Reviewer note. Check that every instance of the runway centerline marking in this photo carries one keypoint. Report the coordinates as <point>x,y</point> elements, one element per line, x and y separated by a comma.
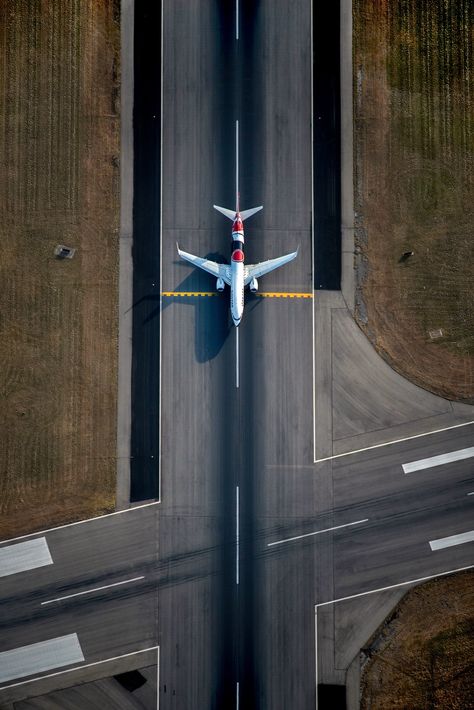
<point>439,460</point>
<point>443,542</point>
<point>237,357</point>
<point>471,494</point>
<point>237,536</point>
<point>91,591</point>
<point>318,532</point>
<point>395,441</point>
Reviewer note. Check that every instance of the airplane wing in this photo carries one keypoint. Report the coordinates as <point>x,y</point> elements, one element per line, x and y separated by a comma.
<point>257,270</point>
<point>212,267</point>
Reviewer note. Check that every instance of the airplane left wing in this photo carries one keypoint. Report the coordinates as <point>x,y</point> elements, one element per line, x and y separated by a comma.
<point>257,270</point>
<point>212,267</point>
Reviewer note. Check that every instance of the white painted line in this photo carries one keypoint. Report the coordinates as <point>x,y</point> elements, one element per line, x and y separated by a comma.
<point>316,672</point>
<point>158,678</point>
<point>38,657</point>
<point>161,254</point>
<point>24,556</point>
<point>312,239</point>
<point>237,19</point>
<point>471,494</point>
<point>237,164</point>
<point>237,696</point>
<point>395,586</point>
<point>80,522</point>
<point>78,668</point>
<point>237,368</point>
<point>91,591</point>
<point>452,540</point>
<point>318,532</point>
<point>395,441</point>
<point>433,461</point>
<point>237,536</point>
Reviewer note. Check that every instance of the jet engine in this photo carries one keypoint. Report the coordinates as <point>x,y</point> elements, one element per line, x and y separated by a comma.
<point>220,284</point>
<point>253,285</point>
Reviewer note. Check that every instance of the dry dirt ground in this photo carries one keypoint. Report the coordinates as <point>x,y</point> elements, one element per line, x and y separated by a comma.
<point>423,656</point>
<point>414,179</point>
<point>59,184</point>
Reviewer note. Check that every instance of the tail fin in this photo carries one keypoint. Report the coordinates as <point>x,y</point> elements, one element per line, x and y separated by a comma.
<point>231,214</point>
<point>248,213</point>
<point>227,213</point>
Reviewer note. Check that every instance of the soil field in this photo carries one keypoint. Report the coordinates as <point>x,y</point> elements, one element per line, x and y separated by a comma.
<point>423,656</point>
<point>414,180</point>
<point>59,177</point>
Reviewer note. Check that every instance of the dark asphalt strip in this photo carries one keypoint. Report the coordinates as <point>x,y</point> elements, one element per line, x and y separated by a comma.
<point>146,252</point>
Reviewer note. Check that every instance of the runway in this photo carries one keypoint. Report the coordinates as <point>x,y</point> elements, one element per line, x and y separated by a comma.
<point>250,533</point>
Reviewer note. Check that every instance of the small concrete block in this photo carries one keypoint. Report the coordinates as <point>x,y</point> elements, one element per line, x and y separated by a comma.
<point>63,252</point>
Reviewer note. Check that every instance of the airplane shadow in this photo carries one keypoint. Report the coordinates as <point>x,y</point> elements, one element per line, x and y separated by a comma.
<point>213,323</point>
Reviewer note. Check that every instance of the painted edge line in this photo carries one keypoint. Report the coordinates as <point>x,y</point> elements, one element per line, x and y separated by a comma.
<point>158,678</point>
<point>395,441</point>
<point>80,522</point>
<point>78,668</point>
<point>318,532</point>
<point>160,360</point>
<point>91,591</point>
<point>395,586</point>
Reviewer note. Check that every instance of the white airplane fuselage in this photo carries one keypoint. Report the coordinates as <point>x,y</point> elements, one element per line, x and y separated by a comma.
<point>237,274</point>
<point>237,271</point>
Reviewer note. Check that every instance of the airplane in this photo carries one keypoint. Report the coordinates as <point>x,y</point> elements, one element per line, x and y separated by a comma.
<point>237,274</point>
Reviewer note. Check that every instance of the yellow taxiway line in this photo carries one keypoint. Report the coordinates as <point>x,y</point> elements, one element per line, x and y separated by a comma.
<point>197,294</point>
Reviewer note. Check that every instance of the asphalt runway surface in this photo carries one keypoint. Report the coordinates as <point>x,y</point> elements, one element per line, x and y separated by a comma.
<point>250,449</point>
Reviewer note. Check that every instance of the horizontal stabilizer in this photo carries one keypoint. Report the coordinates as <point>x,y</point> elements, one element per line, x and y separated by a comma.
<point>227,213</point>
<point>248,213</point>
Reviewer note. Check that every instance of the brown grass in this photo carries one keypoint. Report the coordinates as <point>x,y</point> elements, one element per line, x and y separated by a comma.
<point>59,177</point>
<point>423,655</point>
<point>414,157</point>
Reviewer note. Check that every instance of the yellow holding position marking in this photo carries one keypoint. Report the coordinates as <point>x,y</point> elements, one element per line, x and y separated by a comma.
<point>193,294</point>
<point>189,294</point>
<point>283,294</point>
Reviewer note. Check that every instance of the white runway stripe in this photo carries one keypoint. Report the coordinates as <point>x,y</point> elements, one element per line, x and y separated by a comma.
<point>438,460</point>
<point>91,591</point>
<point>318,532</point>
<point>38,657</point>
<point>452,540</point>
<point>24,556</point>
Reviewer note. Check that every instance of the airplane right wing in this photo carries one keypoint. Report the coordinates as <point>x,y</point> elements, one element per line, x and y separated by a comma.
<point>212,267</point>
<point>257,270</point>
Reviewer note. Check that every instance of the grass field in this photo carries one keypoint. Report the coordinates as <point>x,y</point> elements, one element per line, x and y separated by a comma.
<point>59,120</point>
<point>423,655</point>
<point>414,180</point>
